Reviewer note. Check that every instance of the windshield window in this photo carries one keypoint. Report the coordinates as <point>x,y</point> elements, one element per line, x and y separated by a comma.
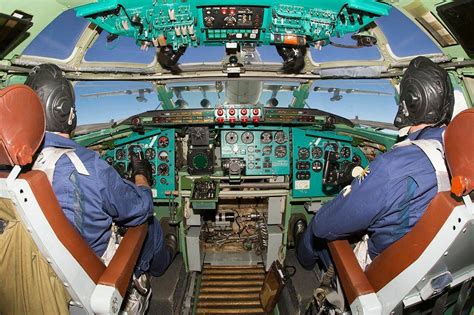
<point>203,54</point>
<point>122,49</point>
<point>357,105</point>
<point>103,101</point>
<point>106,100</point>
<point>404,36</point>
<point>59,38</point>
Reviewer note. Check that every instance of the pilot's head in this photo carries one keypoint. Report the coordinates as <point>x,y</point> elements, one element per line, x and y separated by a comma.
<point>426,95</point>
<point>57,96</point>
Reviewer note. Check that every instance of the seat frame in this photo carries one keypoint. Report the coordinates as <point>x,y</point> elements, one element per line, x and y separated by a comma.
<point>103,295</point>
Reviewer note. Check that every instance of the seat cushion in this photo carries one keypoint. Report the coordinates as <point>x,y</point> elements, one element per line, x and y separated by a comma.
<point>29,284</point>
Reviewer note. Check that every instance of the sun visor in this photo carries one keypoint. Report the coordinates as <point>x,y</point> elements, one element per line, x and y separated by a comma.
<point>352,72</point>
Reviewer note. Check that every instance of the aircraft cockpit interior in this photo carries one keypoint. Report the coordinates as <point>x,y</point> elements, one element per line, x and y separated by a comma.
<point>254,117</point>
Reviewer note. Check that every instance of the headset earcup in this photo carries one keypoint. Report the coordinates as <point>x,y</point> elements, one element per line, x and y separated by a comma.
<point>57,96</point>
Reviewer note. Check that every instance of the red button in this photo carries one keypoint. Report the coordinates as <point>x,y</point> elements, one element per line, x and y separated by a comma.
<point>232,120</point>
<point>220,120</point>
<point>256,111</point>
<point>243,111</point>
<point>232,111</point>
<point>244,119</point>
<point>220,112</point>
<point>256,120</point>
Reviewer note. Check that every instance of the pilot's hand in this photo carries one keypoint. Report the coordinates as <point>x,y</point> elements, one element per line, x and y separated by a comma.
<point>141,166</point>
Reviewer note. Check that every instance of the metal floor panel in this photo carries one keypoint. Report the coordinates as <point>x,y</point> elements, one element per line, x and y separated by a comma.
<point>230,290</point>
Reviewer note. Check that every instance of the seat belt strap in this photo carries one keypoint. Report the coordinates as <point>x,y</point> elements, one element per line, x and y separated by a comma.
<point>49,156</point>
<point>433,149</point>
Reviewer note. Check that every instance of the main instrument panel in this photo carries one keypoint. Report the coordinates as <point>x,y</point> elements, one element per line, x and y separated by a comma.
<point>315,163</point>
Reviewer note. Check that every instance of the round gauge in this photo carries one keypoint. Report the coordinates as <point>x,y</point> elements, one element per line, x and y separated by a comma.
<point>280,151</point>
<point>247,137</point>
<point>331,146</point>
<point>303,154</point>
<point>317,152</point>
<point>163,142</point>
<point>119,154</point>
<point>163,169</point>
<point>317,166</point>
<point>153,169</point>
<point>346,152</point>
<point>231,137</point>
<point>250,165</point>
<point>280,137</point>
<point>150,153</point>
<point>356,159</point>
<point>266,137</point>
<point>250,149</point>
<point>267,150</point>
<point>163,156</point>
<point>109,160</point>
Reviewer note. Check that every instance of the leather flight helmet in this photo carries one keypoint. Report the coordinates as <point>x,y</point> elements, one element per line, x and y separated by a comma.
<point>57,96</point>
<point>426,95</point>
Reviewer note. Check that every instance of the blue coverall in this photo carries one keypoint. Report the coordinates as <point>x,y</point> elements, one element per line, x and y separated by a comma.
<point>92,202</point>
<point>386,204</point>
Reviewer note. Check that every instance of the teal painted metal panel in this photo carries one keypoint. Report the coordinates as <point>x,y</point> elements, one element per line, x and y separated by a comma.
<point>212,22</point>
<point>266,151</point>
<point>155,149</point>
<point>308,151</point>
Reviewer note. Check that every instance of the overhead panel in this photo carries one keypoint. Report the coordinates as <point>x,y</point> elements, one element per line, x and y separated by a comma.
<point>193,23</point>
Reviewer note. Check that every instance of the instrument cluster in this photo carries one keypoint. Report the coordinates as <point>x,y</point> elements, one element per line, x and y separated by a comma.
<point>159,150</point>
<point>322,162</point>
<point>256,152</point>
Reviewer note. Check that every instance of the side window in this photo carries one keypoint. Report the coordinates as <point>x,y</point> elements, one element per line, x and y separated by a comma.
<point>405,37</point>
<point>58,39</point>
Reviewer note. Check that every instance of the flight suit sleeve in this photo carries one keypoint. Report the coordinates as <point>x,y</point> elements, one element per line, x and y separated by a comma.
<point>126,203</point>
<point>348,213</point>
<point>355,211</point>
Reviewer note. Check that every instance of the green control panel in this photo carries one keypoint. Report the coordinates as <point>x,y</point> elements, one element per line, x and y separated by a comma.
<point>185,23</point>
<point>158,149</point>
<point>322,162</point>
<point>263,151</point>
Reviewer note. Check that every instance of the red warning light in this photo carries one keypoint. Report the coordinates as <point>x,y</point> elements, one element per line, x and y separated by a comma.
<point>224,11</point>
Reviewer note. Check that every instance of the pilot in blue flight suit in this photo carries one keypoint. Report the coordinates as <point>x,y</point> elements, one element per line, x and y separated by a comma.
<point>389,199</point>
<point>91,192</point>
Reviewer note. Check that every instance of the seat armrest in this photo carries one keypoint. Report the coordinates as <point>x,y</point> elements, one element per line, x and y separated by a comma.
<point>352,277</point>
<point>121,266</point>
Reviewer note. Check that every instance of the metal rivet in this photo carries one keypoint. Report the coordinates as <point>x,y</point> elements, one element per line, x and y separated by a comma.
<point>446,253</point>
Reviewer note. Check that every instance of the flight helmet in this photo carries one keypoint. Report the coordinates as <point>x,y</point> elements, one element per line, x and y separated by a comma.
<point>57,96</point>
<point>426,95</point>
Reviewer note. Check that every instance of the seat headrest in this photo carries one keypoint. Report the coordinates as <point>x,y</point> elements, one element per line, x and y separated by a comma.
<point>459,148</point>
<point>22,125</point>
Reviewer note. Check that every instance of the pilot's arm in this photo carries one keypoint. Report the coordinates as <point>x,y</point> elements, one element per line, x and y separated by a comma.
<point>349,213</point>
<point>127,203</point>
